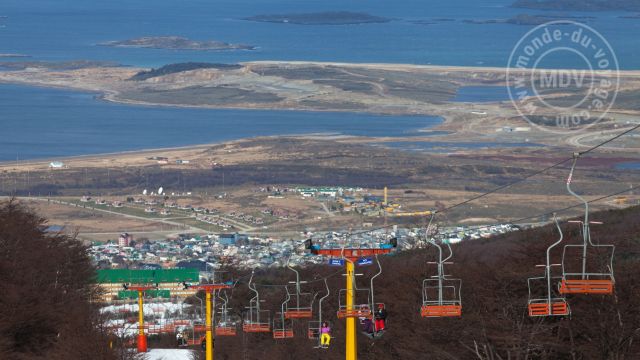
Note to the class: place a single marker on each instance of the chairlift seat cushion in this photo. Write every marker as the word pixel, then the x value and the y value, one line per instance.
pixel 298 314
pixel 441 310
pixel 356 311
pixel 558 308
pixel 282 334
pixel 580 286
pixel 226 331
pixel 256 328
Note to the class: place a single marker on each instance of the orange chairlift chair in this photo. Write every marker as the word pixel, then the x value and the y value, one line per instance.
pixel 225 326
pixel 303 308
pixel 313 332
pixel 591 272
pixel 282 326
pixel 256 320
pixel 361 307
pixel 551 304
pixel 440 294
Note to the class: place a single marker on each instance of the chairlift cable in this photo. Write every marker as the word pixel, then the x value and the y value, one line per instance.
pixel 574 206
pixel 502 187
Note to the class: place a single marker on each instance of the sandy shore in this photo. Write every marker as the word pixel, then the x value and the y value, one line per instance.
pixel 398 89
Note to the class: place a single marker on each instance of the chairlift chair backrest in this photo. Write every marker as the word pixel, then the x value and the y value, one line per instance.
pixel 256 320
pixel 225 327
pixel 551 304
pixel 315 326
pixel 447 301
pixel 299 311
pixel 375 305
pixel 283 331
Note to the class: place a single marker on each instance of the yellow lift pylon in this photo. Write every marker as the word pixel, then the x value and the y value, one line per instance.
pixel 142 337
pixel 209 290
pixel 352 344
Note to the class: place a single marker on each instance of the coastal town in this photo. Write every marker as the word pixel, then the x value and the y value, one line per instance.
pixel 241 251
pixel 213 237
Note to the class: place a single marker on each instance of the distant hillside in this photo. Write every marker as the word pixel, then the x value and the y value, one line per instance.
pixel 321 18
pixel 179 67
pixel 63 65
pixel 526 19
pixel 494 276
pixel 579 5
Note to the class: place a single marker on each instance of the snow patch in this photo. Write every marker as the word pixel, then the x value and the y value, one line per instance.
pixel 168 354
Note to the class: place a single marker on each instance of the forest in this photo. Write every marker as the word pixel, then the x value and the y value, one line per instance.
pixel 494 323
pixel 46 309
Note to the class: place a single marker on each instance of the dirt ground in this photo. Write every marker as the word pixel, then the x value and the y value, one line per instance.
pixel 91 224
pixel 228 176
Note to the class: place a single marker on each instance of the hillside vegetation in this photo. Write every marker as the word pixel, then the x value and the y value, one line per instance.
pixel 46 283
pixel 180 67
pixel 494 324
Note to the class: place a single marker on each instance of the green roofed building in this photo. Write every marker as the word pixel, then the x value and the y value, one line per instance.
pixel 153 294
pixel 147 276
pixel 169 282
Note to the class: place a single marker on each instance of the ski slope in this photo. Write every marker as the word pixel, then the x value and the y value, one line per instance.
pixel 168 354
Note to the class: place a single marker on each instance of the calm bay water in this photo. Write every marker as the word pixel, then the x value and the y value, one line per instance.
pixel 69 29
pixel 443 146
pixel 633 165
pixel 49 123
pixel 40 123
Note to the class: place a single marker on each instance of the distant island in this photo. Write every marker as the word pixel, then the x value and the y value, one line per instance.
pixel 422 22
pixel 176 43
pixel 525 19
pixel 321 18
pixel 61 66
pixel 579 5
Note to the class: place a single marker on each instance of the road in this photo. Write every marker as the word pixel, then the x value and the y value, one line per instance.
pixel 324 206
pixel 599 136
pixel 187 228
pixel 169 221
